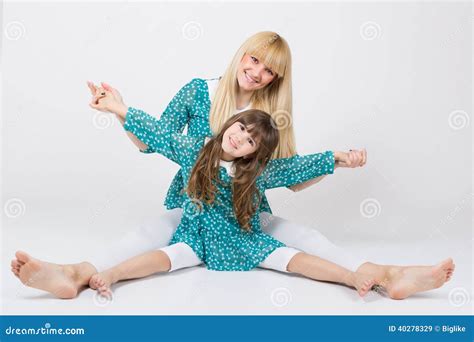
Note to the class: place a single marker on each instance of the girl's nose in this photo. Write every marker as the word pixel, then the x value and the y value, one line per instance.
pixel 238 138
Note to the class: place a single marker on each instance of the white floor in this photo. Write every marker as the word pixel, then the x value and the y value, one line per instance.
pixel 199 291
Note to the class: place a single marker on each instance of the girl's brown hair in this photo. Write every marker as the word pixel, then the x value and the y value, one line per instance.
pixel 205 173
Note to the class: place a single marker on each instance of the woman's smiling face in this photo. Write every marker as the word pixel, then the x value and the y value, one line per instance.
pixel 253 74
pixel 238 142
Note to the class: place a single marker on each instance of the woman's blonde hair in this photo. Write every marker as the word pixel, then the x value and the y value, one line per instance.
pixel 275 98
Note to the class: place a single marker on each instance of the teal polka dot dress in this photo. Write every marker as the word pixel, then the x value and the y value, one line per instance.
pixel 190 106
pixel 213 231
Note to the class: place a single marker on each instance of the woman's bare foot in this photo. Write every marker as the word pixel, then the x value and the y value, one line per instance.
pixel 63 281
pixel 407 280
pixel 102 283
pixel 362 282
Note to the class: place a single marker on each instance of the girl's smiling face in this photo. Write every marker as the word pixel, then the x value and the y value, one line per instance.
pixel 237 142
pixel 253 74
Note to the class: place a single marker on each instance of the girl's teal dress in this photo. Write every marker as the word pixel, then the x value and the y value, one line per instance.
pixel 212 231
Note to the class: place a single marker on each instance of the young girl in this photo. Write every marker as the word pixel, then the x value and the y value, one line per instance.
pixel 225 178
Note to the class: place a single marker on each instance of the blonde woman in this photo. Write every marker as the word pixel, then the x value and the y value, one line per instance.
pixel 258 77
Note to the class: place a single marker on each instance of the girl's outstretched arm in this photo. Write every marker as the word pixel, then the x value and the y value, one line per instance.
pixel 298 169
pixel 159 136
pixel 176 115
pixel 352 159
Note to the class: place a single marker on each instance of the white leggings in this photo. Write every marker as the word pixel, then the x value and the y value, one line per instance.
pixel 157 232
pixel 182 255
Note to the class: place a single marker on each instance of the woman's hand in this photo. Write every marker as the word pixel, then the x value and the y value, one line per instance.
pixel 107 99
pixel 353 158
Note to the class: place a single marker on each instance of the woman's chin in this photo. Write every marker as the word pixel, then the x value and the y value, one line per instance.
pixel 246 86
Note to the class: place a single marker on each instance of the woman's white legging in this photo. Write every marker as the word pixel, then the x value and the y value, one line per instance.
pixel 157 232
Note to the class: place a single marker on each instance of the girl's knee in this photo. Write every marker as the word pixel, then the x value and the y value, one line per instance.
pixel 295 263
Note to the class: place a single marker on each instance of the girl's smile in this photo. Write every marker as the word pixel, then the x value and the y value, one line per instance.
pixel 237 142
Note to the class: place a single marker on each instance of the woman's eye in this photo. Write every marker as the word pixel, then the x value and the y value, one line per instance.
pixel 251 142
pixel 241 127
pixel 254 59
pixel 270 72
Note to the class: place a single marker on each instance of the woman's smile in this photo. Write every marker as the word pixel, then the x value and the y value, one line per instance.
pixel 249 78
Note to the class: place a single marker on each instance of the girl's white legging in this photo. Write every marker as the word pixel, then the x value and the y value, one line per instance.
pixel 181 255
pixel 157 232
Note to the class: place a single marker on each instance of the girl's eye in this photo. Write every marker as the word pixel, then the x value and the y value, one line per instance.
pixel 242 127
pixel 254 59
pixel 251 142
pixel 270 72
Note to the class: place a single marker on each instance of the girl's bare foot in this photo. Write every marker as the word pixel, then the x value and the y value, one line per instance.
pixel 362 282
pixel 63 281
pixel 407 280
pixel 102 283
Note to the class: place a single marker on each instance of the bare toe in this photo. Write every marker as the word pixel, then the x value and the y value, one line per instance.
pixel 23 257
pixel 93 282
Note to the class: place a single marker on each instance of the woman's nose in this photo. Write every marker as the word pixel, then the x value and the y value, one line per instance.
pixel 257 71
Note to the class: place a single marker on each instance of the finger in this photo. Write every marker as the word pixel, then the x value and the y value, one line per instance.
pixel 352 158
pixel 347 159
pixel 94 106
pixel 92 87
pixel 364 161
pixel 101 93
pixel 107 86
pixel 97 98
pixel 114 91
pixel 361 158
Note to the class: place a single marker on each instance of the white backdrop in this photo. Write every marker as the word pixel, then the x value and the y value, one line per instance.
pixel 394 78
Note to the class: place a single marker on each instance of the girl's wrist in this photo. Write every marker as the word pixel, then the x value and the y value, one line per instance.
pixel 121 111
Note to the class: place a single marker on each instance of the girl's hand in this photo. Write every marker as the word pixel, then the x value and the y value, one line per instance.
pixel 353 158
pixel 107 99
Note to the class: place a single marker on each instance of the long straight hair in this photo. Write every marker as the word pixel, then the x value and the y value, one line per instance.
pixel 275 98
pixel 204 177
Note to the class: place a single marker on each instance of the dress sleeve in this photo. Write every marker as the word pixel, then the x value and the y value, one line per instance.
pixel 160 137
pixel 177 113
pixel 297 169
